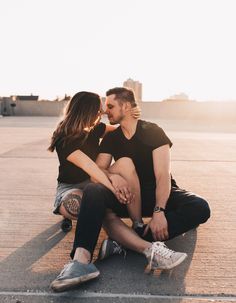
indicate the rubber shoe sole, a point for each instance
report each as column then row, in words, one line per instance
column 62, row 285
column 102, row 251
column 176, row 263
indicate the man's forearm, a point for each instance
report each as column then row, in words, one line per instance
column 163, row 188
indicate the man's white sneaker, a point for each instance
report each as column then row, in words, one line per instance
column 161, row 257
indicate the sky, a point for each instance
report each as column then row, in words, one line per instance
column 53, row 47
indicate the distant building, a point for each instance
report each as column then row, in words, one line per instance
column 25, row 98
column 136, row 86
column 66, row 98
column 7, row 106
column 180, row 96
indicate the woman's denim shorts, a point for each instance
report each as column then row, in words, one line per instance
column 63, row 189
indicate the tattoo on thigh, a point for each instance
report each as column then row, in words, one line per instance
column 72, row 204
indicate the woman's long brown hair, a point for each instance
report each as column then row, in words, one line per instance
column 79, row 114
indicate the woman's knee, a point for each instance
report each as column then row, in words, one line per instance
column 93, row 189
column 95, row 194
column 70, row 204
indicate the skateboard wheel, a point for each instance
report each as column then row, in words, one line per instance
column 66, row 225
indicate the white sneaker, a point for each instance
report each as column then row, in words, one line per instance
column 161, row 257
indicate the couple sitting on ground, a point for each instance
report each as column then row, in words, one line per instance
column 138, row 184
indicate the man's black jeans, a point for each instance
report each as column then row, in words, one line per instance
column 184, row 211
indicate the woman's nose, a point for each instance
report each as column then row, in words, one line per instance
column 103, row 112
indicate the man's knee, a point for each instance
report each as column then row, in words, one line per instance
column 124, row 166
column 203, row 210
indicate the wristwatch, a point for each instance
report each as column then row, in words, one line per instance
column 158, row 209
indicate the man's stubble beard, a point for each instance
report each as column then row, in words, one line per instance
column 118, row 120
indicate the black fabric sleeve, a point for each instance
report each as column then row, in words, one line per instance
column 99, row 130
column 106, row 145
column 154, row 136
column 71, row 146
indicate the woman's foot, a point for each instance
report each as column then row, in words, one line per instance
column 73, row 274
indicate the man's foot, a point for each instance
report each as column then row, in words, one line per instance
column 73, row 274
column 139, row 227
column 109, row 248
column 161, row 257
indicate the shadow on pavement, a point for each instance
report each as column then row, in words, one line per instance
column 16, row 269
column 119, row 275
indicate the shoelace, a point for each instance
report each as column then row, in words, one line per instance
column 161, row 249
column 118, row 249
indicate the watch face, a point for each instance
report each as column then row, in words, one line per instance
column 157, row 209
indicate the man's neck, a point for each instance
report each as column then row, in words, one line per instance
column 128, row 126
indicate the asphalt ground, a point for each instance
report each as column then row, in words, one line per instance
column 33, row 249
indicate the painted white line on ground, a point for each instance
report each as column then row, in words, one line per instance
column 111, row 295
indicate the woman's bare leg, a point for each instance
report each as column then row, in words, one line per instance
column 70, row 204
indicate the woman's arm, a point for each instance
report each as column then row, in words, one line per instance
column 81, row 160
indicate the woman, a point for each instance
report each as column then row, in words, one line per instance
column 76, row 140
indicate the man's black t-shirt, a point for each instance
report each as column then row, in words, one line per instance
column 148, row 136
column 68, row 172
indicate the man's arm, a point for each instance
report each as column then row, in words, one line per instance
column 104, row 161
column 161, row 164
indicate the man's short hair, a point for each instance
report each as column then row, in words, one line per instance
column 123, row 94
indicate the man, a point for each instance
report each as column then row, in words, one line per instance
column 173, row 211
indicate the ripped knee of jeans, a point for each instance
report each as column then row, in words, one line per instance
column 71, row 203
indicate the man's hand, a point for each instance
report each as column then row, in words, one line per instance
column 159, row 227
column 122, row 189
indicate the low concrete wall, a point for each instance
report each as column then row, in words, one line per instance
column 177, row 110
column 190, row 110
column 39, row 108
